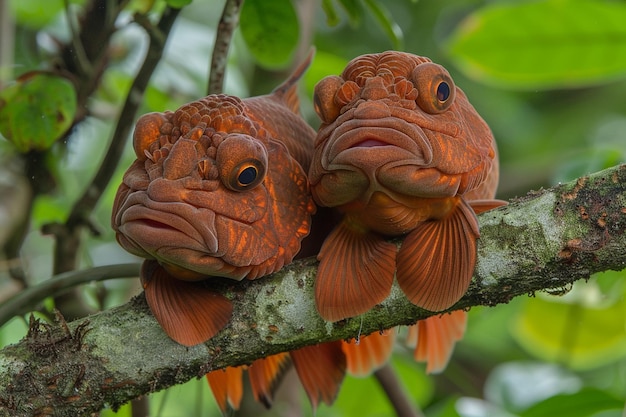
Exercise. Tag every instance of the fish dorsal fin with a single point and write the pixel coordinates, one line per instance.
(434, 339)
(321, 369)
(436, 261)
(287, 92)
(368, 353)
(355, 272)
(227, 387)
(265, 374)
(188, 312)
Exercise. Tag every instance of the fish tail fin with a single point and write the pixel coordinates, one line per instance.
(227, 387)
(287, 92)
(321, 369)
(434, 339)
(368, 353)
(265, 374)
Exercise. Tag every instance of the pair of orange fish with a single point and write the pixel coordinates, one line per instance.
(224, 187)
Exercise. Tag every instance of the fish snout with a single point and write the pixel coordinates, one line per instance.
(372, 110)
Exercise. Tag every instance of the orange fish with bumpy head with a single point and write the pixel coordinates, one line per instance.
(400, 151)
(219, 190)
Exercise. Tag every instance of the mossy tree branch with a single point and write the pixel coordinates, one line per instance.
(543, 241)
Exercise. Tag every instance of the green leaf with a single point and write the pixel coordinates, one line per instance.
(582, 404)
(584, 334)
(386, 22)
(543, 44)
(178, 4)
(37, 13)
(37, 110)
(332, 18)
(354, 10)
(270, 29)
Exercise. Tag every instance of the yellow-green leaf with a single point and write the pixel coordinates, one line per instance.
(543, 44)
(581, 335)
(37, 110)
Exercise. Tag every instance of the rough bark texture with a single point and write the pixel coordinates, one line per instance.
(543, 241)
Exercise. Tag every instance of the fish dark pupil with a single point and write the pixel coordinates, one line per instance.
(247, 176)
(443, 91)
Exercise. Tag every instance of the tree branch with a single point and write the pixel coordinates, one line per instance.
(543, 241)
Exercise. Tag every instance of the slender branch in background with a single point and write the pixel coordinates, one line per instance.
(83, 65)
(388, 380)
(546, 240)
(28, 299)
(226, 28)
(7, 42)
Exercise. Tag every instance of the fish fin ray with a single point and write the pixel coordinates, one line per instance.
(355, 273)
(188, 312)
(435, 338)
(265, 374)
(368, 353)
(481, 206)
(436, 261)
(321, 369)
(287, 92)
(227, 387)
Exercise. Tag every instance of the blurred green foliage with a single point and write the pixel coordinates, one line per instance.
(548, 76)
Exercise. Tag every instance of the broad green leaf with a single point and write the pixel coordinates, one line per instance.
(270, 29)
(582, 404)
(324, 64)
(543, 44)
(386, 22)
(354, 10)
(37, 110)
(579, 334)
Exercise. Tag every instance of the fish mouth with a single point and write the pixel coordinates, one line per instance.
(373, 143)
(159, 227)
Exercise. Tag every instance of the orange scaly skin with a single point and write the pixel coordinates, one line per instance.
(219, 189)
(400, 151)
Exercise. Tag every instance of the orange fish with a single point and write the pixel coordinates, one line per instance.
(400, 152)
(219, 190)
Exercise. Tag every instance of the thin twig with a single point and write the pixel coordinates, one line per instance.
(388, 380)
(223, 37)
(83, 65)
(27, 300)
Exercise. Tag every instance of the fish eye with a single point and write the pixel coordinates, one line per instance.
(247, 175)
(324, 98)
(435, 88)
(443, 91)
(241, 161)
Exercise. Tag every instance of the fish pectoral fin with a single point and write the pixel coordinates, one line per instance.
(436, 261)
(187, 311)
(227, 387)
(321, 369)
(355, 273)
(480, 206)
(368, 353)
(434, 339)
(265, 374)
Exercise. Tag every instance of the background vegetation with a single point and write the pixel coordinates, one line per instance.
(548, 77)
